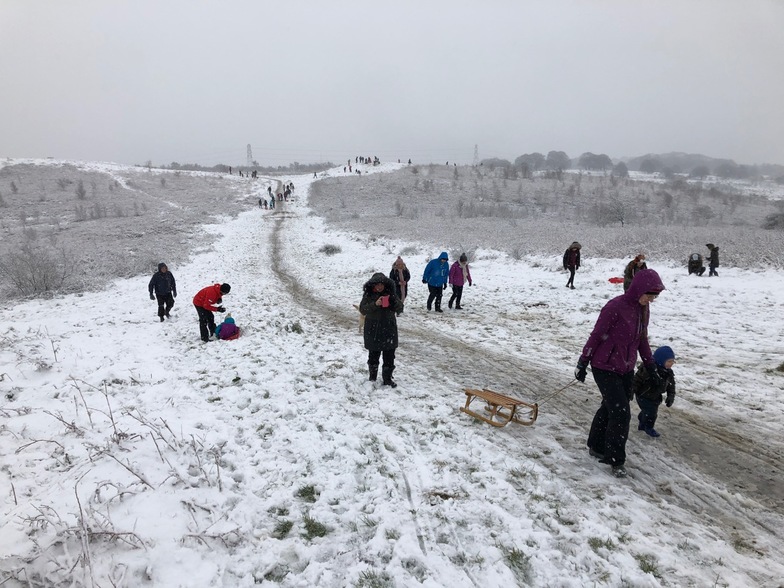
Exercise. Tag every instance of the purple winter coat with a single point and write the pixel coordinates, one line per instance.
(456, 274)
(622, 328)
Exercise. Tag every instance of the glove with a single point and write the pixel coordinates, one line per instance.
(581, 371)
(152, 297)
(444, 286)
(670, 400)
(221, 309)
(424, 281)
(174, 294)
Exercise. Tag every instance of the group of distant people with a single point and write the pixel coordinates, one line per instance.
(288, 189)
(383, 301)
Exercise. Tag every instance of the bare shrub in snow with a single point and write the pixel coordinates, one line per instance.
(774, 221)
(37, 270)
(81, 192)
(330, 249)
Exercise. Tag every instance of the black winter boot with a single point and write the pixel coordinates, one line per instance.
(386, 376)
(373, 370)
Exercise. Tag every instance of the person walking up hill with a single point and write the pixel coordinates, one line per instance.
(459, 274)
(571, 262)
(164, 286)
(400, 276)
(620, 333)
(436, 276)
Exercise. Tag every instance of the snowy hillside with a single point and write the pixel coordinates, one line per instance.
(133, 454)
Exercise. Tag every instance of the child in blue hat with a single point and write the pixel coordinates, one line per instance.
(650, 390)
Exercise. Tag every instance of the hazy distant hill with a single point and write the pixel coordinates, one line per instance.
(686, 162)
(678, 162)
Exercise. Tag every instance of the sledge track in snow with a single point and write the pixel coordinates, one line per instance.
(691, 446)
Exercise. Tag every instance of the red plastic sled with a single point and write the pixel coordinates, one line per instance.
(615, 280)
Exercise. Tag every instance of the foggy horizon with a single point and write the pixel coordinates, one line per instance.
(141, 81)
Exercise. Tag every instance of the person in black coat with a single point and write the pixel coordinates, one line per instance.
(713, 259)
(380, 306)
(165, 288)
(571, 262)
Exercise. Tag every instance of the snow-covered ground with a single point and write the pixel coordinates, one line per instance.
(134, 454)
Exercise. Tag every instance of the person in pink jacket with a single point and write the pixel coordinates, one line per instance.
(459, 274)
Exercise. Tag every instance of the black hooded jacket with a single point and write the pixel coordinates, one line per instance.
(380, 322)
(163, 283)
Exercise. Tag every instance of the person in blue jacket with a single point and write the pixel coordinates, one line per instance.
(436, 277)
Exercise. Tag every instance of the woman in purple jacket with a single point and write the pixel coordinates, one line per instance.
(620, 333)
(459, 274)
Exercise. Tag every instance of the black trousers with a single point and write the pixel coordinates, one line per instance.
(389, 358)
(435, 294)
(570, 282)
(206, 322)
(610, 426)
(165, 303)
(457, 295)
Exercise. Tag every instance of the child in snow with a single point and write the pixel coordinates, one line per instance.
(227, 330)
(649, 394)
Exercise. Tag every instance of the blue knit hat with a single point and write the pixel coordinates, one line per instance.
(662, 355)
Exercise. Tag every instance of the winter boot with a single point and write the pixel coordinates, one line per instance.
(373, 370)
(619, 471)
(386, 376)
(651, 432)
(593, 453)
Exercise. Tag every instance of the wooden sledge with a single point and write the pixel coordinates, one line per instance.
(502, 409)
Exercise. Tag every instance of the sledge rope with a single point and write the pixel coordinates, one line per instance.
(554, 394)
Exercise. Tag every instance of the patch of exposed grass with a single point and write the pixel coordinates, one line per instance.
(308, 493)
(372, 579)
(392, 534)
(648, 564)
(276, 574)
(282, 529)
(596, 543)
(519, 563)
(313, 528)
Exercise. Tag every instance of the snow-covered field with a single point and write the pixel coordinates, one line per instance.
(133, 454)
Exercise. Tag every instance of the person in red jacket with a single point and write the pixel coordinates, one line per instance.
(205, 302)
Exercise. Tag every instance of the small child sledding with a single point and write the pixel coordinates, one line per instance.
(227, 330)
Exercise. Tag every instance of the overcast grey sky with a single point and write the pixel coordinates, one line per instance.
(197, 80)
